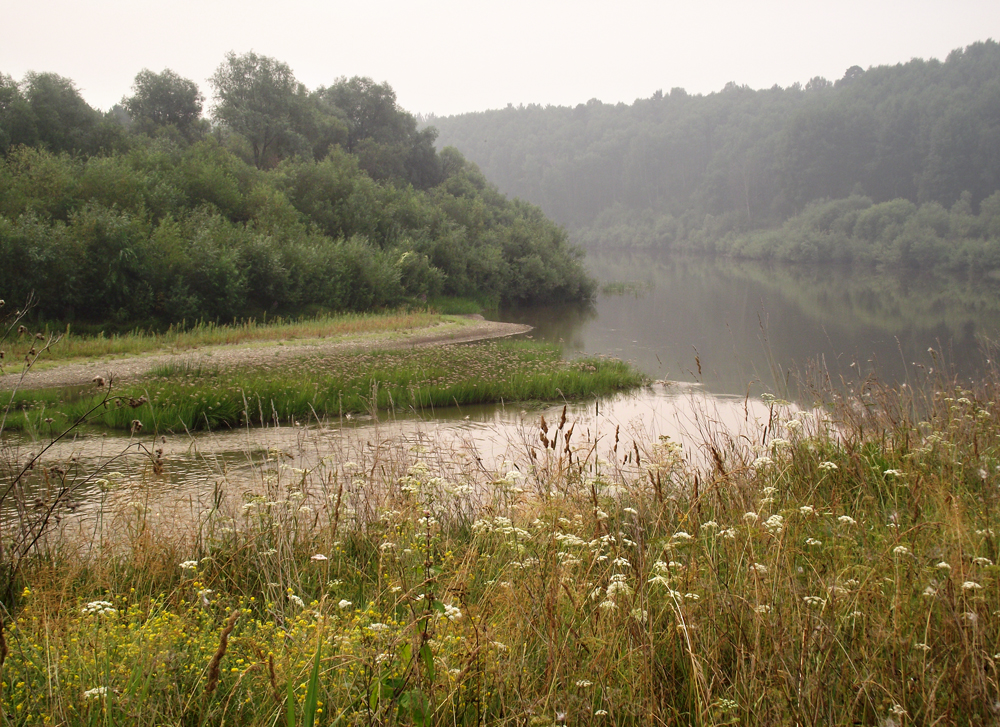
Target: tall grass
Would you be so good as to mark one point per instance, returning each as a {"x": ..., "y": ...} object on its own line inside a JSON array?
[
  {"x": 182, "y": 398},
  {"x": 834, "y": 569}
]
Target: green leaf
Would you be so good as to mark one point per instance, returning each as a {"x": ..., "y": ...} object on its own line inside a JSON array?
[
  {"x": 290, "y": 704},
  {"x": 406, "y": 656},
  {"x": 427, "y": 657},
  {"x": 416, "y": 703},
  {"x": 312, "y": 694}
]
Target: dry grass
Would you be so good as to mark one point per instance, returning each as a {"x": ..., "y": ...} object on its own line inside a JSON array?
[{"x": 840, "y": 571}]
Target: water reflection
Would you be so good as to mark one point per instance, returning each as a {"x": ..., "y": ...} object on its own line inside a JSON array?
[
  {"x": 462, "y": 442},
  {"x": 734, "y": 325},
  {"x": 723, "y": 332}
]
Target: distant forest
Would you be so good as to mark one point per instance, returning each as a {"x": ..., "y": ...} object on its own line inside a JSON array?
[
  {"x": 285, "y": 200},
  {"x": 895, "y": 164}
]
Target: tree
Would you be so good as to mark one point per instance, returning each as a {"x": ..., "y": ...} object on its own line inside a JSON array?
[
  {"x": 17, "y": 123},
  {"x": 63, "y": 119},
  {"x": 164, "y": 99},
  {"x": 371, "y": 111},
  {"x": 256, "y": 96}
]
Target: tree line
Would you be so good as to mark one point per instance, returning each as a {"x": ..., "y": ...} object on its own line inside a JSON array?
[
  {"x": 284, "y": 200},
  {"x": 709, "y": 172}
]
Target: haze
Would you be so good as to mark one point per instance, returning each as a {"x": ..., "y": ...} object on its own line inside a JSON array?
[{"x": 452, "y": 57}]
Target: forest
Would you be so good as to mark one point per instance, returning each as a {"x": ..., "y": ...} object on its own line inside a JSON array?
[
  {"x": 282, "y": 201},
  {"x": 893, "y": 164}
]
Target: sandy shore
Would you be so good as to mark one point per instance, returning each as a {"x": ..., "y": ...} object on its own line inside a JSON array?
[{"x": 130, "y": 368}]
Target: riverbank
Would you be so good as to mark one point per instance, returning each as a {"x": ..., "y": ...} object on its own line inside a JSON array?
[
  {"x": 838, "y": 570},
  {"x": 127, "y": 358}
]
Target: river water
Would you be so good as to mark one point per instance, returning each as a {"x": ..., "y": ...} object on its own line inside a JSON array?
[{"x": 715, "y": 336}]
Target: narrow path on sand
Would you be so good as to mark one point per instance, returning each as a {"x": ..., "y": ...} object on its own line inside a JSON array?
[{"x": 126, "y": 369}]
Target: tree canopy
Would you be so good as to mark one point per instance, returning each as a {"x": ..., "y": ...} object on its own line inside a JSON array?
[
  {"x": 164, "y": 99},
  {"x": 682, "y": 170},
  {"x": 148, "y": 214}
]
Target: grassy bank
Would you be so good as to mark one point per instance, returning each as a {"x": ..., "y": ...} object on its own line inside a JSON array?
[
  {"x": 840, "y": 572},
  {"x": 180, "y": 398},
  {"x": 74, "y": 346}
]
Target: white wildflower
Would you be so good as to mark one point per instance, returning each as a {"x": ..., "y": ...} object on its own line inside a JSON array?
[
  {"x": 814, "y": 601},
  {"x": 774, "y": 524},
  {"x": 982, "y": 561},
  {"x": 813, "y": 541},
  {"x": 296, "y": 600},
  {"x": 377, "y": 627},
  {"x": 901, "y": 550},
  {"x": 344, "y": 603},
  {"x": 828, "y": 466},
  {"x": 893, "y": 473},
  {"x": 319, "y": 556},
  {"x": 971, "y": 586},
  {"x": 847, "y": 520},
  {"x": 682, "y": 536},
  {"x": 584, "y": 683},
  {"x": 750, "y": 518},
  {"x": 943, "y": 566},
  {"x": 452, "y": 613},
  {"x": 188, "y": 565},
  {"x": 710, "y": 525},
  {"x": 99, "y": 608},
  {"x": 807, "y": 510},
  {"x": 758, "y": 568},
  {"x": 95, "y": 693}
]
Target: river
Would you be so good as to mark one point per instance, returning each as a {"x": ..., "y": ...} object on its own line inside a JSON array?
[{"x": 715, "y": 335}]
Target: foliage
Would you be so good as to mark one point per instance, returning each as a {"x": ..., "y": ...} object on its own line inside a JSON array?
[
  {"x": 419, "y": 379},
  {"x": 839, "y": 571},
  {"x": 256, "y": 94},
  {"x": 163, "y": 100},
  {"x": 676, "y": 170},
  {"x": 298, "y": 201}
]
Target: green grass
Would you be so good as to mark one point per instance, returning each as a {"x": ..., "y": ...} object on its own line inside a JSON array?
[
  {"x": 178, "y": 338},
  {"x": 837, "y": 573},
  {"x": 331, "y": 385}
]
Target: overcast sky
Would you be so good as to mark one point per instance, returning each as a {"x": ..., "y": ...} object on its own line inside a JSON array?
[{"x": 452, "y": 56}]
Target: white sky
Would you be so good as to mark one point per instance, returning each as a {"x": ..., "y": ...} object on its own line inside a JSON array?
[{"x": 452, "y": 56}]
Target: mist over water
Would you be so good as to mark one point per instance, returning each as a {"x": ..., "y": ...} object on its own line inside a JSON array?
[
  {"x": 739, "y": 327},
  {"x": 750, "y": 327}
]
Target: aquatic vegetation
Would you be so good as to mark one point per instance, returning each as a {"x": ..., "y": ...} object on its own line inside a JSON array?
[{"x": 178, "y": 398}]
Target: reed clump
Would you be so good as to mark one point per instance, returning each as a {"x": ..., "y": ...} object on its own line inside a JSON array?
[{"x": 836, "y": 566}]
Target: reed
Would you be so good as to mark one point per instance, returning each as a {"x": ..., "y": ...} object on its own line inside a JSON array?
[
  {"x": 184, "y": 398},
  {"x": 835, "y": 566}
]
